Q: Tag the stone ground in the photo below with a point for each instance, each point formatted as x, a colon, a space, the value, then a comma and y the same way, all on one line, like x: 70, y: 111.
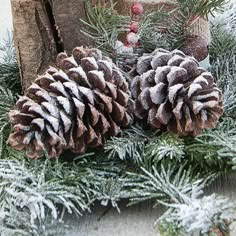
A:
x: 104, y: 221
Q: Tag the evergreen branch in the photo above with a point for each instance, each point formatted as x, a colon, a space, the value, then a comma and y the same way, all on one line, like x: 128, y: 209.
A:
x: 209, y: 215
x: 200, y: 8
x: 42, y: 189
x: 7, y: 101
x: 223, y: 32
x: 125, y: 148
x: 166, y: 146
x: 224, y: 70
x: 150, y: 32
x: 163, y: 184
x: 223, y: 41
x: 149, y: 149
x: 185, y: 15
x: 222, y: 52
x: 110, y: 190
x: 9, y: 70
x: 179, y: 21
x: 215, y: 148
x: 130, y: 146
x: 15, y: 222
x: 103, y: 25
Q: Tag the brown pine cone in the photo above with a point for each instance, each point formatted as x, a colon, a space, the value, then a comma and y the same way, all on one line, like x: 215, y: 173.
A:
x: 74, y: 107
x: 174, y: 93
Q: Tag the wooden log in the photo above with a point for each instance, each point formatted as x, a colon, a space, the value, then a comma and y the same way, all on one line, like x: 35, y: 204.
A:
x: 33, y: 38
x: 42, y: 29
x: 68, y: 15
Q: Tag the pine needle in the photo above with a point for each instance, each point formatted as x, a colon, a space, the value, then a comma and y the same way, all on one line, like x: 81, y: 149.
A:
x: 9, y: 70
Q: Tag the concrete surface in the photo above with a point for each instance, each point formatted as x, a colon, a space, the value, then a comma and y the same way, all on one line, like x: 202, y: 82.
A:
x: 105, y: 221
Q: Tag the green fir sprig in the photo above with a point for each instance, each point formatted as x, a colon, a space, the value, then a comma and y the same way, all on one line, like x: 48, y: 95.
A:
x: 9, y: 70
x: 103, y: 25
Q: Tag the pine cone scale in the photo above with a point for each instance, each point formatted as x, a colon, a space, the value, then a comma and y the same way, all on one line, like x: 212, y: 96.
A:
x: 157, y: 93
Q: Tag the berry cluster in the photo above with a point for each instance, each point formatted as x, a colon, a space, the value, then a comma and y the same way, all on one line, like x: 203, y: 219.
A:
x: 132, y: 38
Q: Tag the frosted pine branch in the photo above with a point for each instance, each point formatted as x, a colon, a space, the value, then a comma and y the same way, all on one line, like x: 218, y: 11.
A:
x: 199, y: 216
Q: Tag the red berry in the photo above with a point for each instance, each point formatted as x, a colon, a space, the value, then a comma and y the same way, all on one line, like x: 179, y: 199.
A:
x: 134, y: 27
x: 137, y: 8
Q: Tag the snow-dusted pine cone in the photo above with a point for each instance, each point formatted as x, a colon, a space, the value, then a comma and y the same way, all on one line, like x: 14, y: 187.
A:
x: 74, y: 107
x: 174, y: 93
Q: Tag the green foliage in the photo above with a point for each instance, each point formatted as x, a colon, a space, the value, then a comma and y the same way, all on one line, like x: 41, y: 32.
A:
x: 17, y: 223
x: 170, y: 29
x: 225, y: 76
x: 9, y: 71
x: 35, y: 195
x: 138, y: 145
x: 200, y: 8
x: 150, y: 33
x: 223, y: 57
x: 7, y: 101
x: 129, y: 146
x: 169, y: 229
x: 215, y: 149
x: 162, y: 183
x: 201, y: 154
x: 9, y: 88
x: 223, y: 31
x: 103, y: 25
x: 166, y: 146
x: 188, y: 13
x: 207, y: 216
x: 40, y: 191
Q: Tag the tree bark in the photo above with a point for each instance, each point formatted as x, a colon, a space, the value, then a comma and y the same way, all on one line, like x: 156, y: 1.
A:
x: 43, y: 28
x: 34, y: 41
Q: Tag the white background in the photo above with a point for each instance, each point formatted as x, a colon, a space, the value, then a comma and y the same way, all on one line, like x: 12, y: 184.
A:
x: 5, y: 17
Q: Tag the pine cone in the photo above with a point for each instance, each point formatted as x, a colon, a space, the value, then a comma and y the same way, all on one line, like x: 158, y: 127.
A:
x: 174, y: 93
x: 74, y: 107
